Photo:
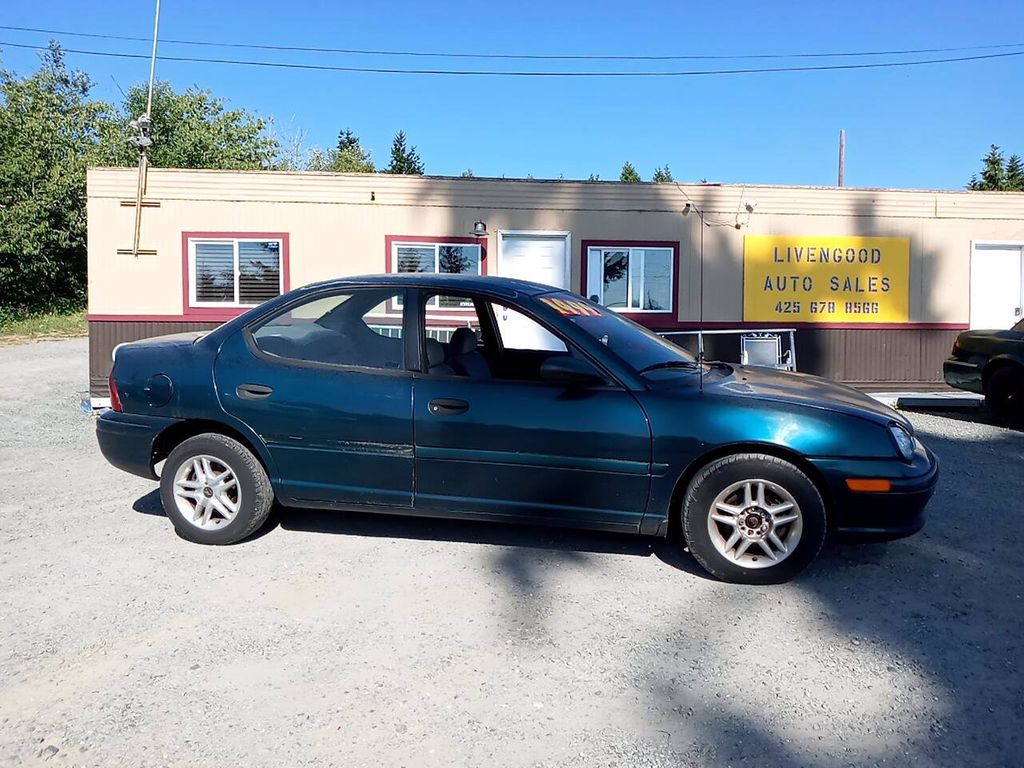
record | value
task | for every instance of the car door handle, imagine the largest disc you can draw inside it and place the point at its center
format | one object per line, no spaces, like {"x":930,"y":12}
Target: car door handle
{"x":253,"y":391}
{"x":446,"y":406}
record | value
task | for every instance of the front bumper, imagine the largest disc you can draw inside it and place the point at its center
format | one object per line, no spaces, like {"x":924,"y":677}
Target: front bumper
{"x":962,"y":375}
{"x":881,"y":516}
{"x":126,"y":440}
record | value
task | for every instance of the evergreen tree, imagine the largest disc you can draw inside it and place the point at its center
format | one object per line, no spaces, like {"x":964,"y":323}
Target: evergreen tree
{"x":663,"y":174}
{"x":404,"y":159}
{"x":347,"y":140}
{"x":629,"y":174}
{"x":993,"y":172}
{"x":1015,"y":174}
{"x":349,"y":156}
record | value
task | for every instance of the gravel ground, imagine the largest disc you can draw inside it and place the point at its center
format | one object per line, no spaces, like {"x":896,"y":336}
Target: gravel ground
{"x":361,"y":641}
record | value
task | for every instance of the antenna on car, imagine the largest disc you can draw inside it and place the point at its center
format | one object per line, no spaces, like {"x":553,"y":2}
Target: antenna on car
{"x":700,"y":309}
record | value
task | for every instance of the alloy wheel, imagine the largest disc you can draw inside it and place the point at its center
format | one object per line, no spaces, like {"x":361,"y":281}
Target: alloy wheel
{"x":755,"y":523}
{"x":206,"y":492}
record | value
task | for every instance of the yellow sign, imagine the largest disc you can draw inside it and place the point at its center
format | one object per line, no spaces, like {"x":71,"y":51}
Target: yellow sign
{"x":809,"y":279}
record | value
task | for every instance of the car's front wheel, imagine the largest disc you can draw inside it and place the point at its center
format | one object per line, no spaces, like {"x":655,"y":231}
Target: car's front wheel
{"x":753,"y":519}
{"x":215,"y":490}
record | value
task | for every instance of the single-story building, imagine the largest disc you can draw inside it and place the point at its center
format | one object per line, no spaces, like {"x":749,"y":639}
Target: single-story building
{"x":876,"y":282}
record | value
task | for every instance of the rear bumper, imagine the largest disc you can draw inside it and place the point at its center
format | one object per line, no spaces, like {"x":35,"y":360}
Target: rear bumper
{"x":882,"y":516}
{"x":126,"y":440}
{"x":962,"y":375}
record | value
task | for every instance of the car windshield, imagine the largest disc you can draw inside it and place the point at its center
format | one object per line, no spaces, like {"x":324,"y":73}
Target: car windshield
{"x":639,"y":347}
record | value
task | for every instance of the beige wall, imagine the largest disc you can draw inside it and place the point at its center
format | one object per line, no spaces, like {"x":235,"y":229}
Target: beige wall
{"x":337,"y":224}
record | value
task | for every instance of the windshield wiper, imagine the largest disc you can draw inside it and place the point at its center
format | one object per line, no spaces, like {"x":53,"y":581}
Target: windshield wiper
{"x":691,"y":364}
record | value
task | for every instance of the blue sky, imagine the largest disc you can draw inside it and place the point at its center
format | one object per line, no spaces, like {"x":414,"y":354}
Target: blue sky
{"x":908,"y":127}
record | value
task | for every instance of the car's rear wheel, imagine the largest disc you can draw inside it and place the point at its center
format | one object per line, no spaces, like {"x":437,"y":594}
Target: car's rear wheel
{"x":1004,"y":396}
{"x":215,"y":490}
{"x":753,"y":519}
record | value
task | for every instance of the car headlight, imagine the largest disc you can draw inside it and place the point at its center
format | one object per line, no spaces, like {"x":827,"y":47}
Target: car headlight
{"x":904,"y":441}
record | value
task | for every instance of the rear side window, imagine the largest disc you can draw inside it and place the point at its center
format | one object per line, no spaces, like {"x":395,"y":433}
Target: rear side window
{"x":361,"y":328}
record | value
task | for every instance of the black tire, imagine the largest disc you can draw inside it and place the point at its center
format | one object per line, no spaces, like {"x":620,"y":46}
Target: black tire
{"x":1004,"y":396}
{"x":255,"y":494}
{"x":719,"y":476}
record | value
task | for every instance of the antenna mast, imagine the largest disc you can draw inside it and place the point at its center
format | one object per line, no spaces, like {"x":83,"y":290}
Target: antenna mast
{"x":143,"y":141}
{"x":842,"y":156}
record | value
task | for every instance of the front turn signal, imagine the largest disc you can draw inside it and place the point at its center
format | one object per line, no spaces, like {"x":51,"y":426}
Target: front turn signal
{"x":868,"y":485}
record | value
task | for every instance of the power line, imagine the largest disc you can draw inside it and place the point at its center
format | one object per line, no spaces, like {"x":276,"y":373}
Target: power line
{"x":527,"y":73}
{"x":518,"y":56}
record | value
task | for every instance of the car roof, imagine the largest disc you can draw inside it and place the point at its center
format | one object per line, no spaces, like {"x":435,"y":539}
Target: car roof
{"x":503,"y":286}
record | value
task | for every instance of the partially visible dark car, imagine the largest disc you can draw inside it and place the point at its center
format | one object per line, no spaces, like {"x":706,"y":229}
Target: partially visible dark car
{"x":495,"y":399}
{"x":991,"y":363}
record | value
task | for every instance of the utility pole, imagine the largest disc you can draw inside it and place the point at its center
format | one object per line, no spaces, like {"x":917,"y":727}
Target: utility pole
{"x":842,"y":155}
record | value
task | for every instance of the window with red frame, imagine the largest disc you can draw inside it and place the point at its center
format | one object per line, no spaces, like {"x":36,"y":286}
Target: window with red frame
{"x":234,"y":272}
{"x":631,"y":279}
{"x":438,"y":257}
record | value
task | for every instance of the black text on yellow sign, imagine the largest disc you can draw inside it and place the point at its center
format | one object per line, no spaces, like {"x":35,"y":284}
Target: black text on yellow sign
{"x":827,"y":279}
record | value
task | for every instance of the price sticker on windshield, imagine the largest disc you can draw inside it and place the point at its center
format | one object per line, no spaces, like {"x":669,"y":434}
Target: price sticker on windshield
{"x":571,"y":307}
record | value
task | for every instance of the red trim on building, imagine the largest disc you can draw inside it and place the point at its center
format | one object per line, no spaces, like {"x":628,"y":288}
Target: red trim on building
{"x":219,"y":314}
{"x":390,"y":240}
{"x":740,"y":325}
{"x":652,"y":319}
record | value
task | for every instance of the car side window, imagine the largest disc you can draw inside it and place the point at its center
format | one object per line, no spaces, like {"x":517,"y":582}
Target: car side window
{"x":362,"y":328}
{"x":452,"y":329}
{"x":518,"y":331}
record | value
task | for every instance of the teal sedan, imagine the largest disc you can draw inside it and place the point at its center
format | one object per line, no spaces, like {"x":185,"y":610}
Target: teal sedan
{"x":494,"y":399}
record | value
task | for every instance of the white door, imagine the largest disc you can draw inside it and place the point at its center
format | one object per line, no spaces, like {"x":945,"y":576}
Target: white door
{"x":997,"y":288}
{"x":540,"y":257}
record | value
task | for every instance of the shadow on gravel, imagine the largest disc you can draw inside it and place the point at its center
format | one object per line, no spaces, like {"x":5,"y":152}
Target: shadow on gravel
{"x":940,"y":616}
{"x":474,"y":532}
{"x":471,"y":532}
{"x":150,"y":504}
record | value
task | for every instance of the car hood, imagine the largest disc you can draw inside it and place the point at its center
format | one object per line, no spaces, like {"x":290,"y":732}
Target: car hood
{"x":983,"y":339}
{"x":805,"y":390}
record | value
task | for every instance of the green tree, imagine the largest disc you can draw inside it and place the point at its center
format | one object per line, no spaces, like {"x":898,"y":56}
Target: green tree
{"x":468,"y":173}
{"x":192,"y":129}
{"x":49,"y":133}
{"x":662,"y":174}
{"x":350,"y":157}
{"x":319,"y":159}
{"x":993,"y":172}
{"x":404,"y":159}
{"x":1015,"y":174}
{"x":629,"y":174}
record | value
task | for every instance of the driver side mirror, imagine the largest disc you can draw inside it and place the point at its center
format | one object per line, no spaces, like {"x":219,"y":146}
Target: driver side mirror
{"x":566,"y":369}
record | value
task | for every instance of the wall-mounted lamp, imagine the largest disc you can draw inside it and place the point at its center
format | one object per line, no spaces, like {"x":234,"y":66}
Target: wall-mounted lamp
{"x":687,"y":208}
{"x":479,"y":229}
